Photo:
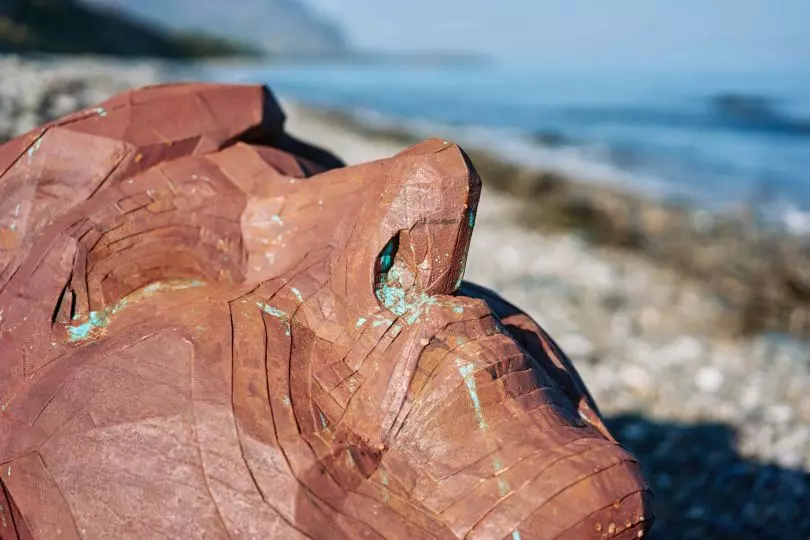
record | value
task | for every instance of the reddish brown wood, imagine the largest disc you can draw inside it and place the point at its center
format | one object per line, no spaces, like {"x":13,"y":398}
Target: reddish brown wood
{"x":211,"y":330}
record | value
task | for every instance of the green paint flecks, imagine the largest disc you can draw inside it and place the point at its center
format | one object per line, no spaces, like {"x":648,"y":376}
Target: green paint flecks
{"x":467,"y":372}
{"x":278,"y":314}
{"x":350,"y":460}
{"x":384,"y":478}
{"x":270,"y":310}
{"x":462,"y":269}
{"x":100,"y":319}
{"x":393,"y":296}
{"x":96,"y":319}
{"x":100,"y":111}
{"x":360,"y":322}
{"x":458,"y":309}
{"x":297,"y":294}
{"x":16,"y":215}
{"x":380,"y":322}
{"x":503,"y":485}
{"x":400,"y":302}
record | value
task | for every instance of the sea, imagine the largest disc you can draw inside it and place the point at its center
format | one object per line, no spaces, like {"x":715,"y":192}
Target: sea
{"x":714,"y":140}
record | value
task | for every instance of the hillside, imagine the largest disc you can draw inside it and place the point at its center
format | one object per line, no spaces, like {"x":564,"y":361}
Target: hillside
{"x":70,"y":27}
{"x":285,"y":27}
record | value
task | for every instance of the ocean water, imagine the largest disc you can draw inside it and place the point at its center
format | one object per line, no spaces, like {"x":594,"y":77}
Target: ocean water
{"x":715,"y":140}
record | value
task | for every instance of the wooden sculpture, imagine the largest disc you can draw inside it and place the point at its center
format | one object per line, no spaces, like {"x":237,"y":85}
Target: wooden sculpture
{"x":209,"y":329}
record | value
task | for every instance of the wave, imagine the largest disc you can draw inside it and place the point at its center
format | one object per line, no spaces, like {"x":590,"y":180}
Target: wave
{"x":592,"y":162}
{"x":724,"y":112}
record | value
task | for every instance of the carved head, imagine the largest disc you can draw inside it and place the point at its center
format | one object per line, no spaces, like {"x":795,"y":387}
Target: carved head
{"x":211,"y":329}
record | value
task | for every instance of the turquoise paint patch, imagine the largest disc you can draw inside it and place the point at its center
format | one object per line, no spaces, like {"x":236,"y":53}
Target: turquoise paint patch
{"x":503,"y":486}
{"x":471,"y":218}
{"x":100,"y":111}
{"x":396,"y":299}
{"x":467,"y":372}
{"x":96,"y":319}
{"x":100,"y":319}
{"x":384,"y":479}
{"x":392,"y":298}
{"x":360,"y":322}
{"x":387,"y":255}
{"x":399,"y":302}
{"x":159,"y":286}
{"x":275,"y":218}
{"x":462,"y":269}
{"x":278,"y":314}
{"x":515,"y":535}
{"x":297,"y":294}
{"x":82,"y":331}
{"x":324,"y":423}
{"x":458,"y":309}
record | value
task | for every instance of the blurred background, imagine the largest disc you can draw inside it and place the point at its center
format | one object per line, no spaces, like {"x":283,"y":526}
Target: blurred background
{"x":646,"y":169}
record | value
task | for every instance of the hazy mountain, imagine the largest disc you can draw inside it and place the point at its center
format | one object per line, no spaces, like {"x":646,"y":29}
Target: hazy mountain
{"x":286,"y":27}
{"x":67,"y":26}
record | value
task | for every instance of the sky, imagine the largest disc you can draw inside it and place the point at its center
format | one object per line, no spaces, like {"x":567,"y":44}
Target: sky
{"x":733,"y":35}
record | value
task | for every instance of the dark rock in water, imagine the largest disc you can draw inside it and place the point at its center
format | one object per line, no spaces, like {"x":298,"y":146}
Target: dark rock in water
{"x":550,"y":138}
{"x":743,"y":106}
{"x":757,"y":113}
{"x":210,"y":329}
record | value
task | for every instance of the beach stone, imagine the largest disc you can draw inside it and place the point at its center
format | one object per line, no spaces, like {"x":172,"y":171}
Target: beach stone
{"x":709,"y":379}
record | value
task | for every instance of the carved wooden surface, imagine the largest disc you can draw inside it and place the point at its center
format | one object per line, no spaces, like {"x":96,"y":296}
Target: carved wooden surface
{"x":209,"y":329}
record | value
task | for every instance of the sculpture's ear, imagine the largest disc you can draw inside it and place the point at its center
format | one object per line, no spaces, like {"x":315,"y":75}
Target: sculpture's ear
{"x":414,"y":229}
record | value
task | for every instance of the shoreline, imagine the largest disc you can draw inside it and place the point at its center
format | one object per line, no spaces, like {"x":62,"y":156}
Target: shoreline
{"x":759,"y":273}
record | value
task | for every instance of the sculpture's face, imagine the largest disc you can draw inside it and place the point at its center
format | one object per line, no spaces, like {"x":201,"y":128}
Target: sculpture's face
{"x":208,"y":342}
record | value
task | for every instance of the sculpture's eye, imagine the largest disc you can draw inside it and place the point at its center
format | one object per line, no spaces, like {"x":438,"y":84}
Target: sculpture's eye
{"x":386,"y":258}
